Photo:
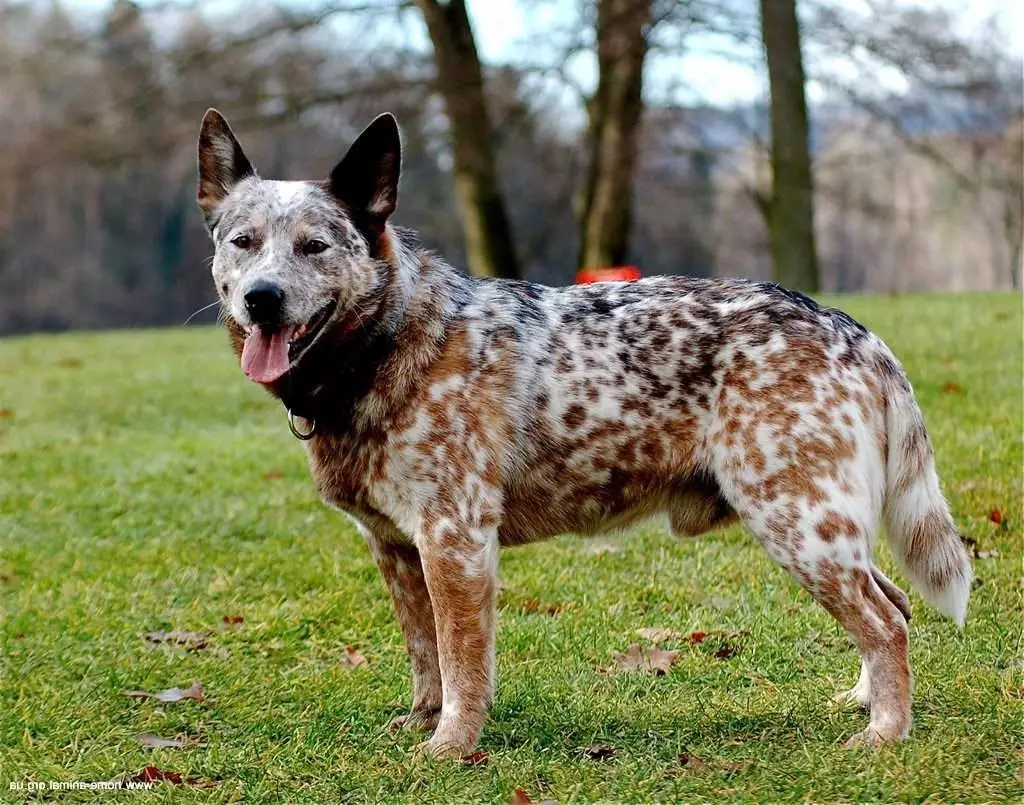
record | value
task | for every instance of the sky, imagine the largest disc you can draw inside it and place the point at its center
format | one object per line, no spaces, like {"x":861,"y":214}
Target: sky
{"x":710,"y":71}
{"x":503,"y":30}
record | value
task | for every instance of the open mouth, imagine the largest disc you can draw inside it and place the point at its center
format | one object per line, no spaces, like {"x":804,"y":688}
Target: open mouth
{"x":307,"y":333}
{"x":269,"y":354}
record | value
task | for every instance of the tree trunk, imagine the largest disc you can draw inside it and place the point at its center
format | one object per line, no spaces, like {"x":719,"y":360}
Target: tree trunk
{"x":490,"y":248}
{"x":790,"y":210}
{"x":615,"y":110}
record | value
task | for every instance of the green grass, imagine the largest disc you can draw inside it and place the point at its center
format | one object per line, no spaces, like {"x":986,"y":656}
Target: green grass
{"x":144,"y":484}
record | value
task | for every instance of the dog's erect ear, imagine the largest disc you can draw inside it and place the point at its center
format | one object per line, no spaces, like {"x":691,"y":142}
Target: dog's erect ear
{"x":366,"y":180}
{"x":222,"y":162}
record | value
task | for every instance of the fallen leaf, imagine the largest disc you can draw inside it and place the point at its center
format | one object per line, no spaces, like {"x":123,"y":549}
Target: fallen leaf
{"x":995,"y":516}
{"x":352,"y":658}
{"x":520,"y":797}
{"x":232,"y":620}
{"x":599,"y":751}
{"x":731,"y":767}
{"x":725,"y":651}
{"x":476,"y":759}
{"x":652,"y":660}
{"x":658,"y":635}
{"x":531,"y":606}
{"x":691,"y":762}
{"x":273,"y":475}
{"x":697,"y":637}
{"x":151,"y":774}
{"x":192,"y":641}
{"x":170,"y":695}
{"x":952,"y":388}
{"x":7,"y":577}
{"x":6,"y":413}
{"x":153,"y":742}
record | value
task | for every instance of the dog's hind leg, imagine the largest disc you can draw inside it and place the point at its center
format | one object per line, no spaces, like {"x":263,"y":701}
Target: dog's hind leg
{"x":892,"y":592}
{"x":812,"y":508}
{"x":861,"y":692}
{"x":827,"y":552}
{"x":402,"y":570}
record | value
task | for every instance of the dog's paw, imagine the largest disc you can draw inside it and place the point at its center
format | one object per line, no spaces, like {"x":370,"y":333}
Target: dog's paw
{"x":854,"y":696}
{"x":425,"y":720}
{"x":441,"y":750}
{"x":871,"y":738}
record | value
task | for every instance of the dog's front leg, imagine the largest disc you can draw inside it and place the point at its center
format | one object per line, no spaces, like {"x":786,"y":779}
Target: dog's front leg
{"x":461,"y":574}
{"x":400,"y":566}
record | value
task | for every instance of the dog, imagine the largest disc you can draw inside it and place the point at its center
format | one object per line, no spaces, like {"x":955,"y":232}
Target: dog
{"x":450,"y":415}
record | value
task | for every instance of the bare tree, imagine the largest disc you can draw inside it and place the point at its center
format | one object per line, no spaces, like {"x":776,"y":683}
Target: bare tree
{"x":614,"y":117}
{"x":490,"y":248}
{"x":789,"y":209}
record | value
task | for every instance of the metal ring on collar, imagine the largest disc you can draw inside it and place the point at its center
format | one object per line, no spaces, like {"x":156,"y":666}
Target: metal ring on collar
{"x":298,"y":434}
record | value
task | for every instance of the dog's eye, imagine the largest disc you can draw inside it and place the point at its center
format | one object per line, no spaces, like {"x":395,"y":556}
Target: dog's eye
{"x":242,"y":241}
{"x":314,"y":247}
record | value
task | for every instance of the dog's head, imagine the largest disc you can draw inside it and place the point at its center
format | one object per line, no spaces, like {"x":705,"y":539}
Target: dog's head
{"x":293,"y":259}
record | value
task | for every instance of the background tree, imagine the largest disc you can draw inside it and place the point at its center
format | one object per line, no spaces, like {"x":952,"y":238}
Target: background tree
{"x":490,"y":248}
{"x":614,"y":114}
{"x":789,"y":209}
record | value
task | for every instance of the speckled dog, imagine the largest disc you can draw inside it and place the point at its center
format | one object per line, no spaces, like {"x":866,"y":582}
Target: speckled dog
{"x":449,"y":416}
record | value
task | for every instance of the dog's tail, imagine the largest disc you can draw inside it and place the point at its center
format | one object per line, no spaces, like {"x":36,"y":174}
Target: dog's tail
{"x":923,"y":538}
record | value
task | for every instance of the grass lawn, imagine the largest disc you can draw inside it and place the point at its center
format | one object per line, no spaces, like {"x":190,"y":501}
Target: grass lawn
{"x":146,"y":485}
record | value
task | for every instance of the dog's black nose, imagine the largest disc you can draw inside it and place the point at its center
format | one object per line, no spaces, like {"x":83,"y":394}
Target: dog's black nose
{"x":263,"y":302}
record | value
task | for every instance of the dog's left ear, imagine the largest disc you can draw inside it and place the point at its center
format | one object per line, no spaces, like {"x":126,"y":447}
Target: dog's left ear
{"x":366,"y":179}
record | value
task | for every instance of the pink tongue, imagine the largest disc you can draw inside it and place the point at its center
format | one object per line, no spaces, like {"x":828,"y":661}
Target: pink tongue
{"x":265,"y":355}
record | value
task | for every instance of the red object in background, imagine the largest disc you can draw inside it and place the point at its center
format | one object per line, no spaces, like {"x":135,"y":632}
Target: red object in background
{"x":613,"y":274}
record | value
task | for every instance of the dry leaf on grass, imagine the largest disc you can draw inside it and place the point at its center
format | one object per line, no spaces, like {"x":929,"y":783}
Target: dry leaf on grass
{"x":996,"y":516}
{"x":352,"y":658}
{"x":688,"y":763}
{"x":952,"y":388}
{"x":691,"y":762}
{"x":170,"y":695}
{"x":475,"y":759}
{"x":652,"y":660}
{"x":520,"y":797}
{"x":725,"y":651}
{"x":6,"y":413}
{"x":599,"y":751}
{"x":658,"y":635}
{"x":273,"y":475}
{"x":727,"y":647}
{"x":153,"y":742}
{"x":192,"y":641}
{"x":151,"y":774}
{"x":532,"y":606}
{"x":233,"y":620}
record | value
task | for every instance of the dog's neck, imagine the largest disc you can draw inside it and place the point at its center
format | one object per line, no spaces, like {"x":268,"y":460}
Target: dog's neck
{"x":361,"y":371}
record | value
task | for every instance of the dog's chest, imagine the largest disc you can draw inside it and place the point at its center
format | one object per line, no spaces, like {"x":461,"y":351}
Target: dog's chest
{"x":343,"y":469}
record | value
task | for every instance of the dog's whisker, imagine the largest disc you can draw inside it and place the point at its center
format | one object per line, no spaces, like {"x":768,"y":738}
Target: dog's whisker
{"x":201,"y":310}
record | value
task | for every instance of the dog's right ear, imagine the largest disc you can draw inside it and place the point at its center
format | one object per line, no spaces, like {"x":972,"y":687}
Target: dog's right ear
{"x":222,"y":163}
